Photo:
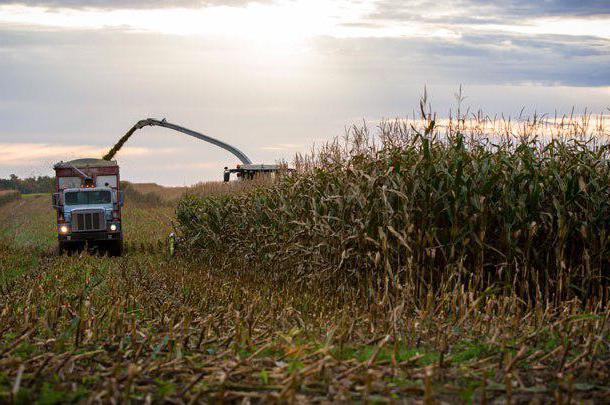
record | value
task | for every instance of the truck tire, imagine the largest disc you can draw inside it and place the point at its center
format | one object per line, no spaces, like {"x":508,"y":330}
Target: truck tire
{"x":68,"y":247}
{"x":116,"y":248}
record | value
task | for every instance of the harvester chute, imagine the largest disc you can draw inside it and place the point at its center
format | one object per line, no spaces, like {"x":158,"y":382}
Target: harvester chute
{"x":163,"y":123}
{"x":246,"y":170}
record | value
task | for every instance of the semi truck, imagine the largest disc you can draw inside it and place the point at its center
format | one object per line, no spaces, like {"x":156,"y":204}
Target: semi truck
{"x":88,"y":201}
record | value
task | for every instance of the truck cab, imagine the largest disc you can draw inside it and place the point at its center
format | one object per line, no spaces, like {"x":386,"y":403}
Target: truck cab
{"x":88,"y":202}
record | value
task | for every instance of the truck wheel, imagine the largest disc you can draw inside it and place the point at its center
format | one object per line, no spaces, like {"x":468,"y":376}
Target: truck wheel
{"x":116,"y":248}
{"x":67,"y":248}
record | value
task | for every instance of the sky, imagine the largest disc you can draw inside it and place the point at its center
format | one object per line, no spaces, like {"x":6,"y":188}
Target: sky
{"x":275,"y":77}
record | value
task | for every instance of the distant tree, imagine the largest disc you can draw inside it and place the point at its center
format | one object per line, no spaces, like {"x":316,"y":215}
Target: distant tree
{"x":30,"y":185}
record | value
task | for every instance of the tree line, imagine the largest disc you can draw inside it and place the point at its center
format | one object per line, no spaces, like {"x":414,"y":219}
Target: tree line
{"x":30,"y":185}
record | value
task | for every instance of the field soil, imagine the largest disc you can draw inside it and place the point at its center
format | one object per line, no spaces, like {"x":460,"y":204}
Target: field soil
{"x":147,"y":328}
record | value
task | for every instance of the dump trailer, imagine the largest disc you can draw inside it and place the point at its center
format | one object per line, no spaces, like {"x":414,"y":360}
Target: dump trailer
{"x":88,"y":201}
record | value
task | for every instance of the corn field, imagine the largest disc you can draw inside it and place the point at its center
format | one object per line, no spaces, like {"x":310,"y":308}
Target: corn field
{"x":418,"y":208}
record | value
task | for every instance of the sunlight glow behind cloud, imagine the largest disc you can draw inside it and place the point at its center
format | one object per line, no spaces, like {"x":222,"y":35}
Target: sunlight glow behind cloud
{"x":287,"y":22}
{"x":281,"y":22}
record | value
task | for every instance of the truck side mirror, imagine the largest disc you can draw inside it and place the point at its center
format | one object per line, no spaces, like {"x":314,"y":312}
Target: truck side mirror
{"x":56,"y":200}
{"x":121,"y":198}
{"x":227,"y":176}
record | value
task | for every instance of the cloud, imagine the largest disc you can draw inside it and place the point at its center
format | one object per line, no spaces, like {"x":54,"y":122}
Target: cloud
{"x":532,"y":17}
{"x":479,"y":57}
{"x":216,"y":165}
{"x":394,"y":9}
{"x":288,"y":147}
{"x":130,"y":4}
{"x":484,"y":11}
{"x":20,"y":154}
{"x":530,"y":8}
{"x":286,"y":20}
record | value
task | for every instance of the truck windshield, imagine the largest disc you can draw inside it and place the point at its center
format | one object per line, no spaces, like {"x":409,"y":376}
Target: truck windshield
{"x":88,"y":197}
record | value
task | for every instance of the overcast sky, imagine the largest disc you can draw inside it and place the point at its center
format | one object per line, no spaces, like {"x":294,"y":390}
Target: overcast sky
{"x":274,"y":77}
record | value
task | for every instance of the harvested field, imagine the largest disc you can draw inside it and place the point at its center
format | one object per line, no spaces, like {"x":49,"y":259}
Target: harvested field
{"x":89,"y":328}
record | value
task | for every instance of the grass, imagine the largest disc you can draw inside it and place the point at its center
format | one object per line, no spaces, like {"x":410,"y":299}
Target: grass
{"x":28,"y":223}
{"x":32,"y":195}
{"x":7,"y":196}
{"x":233,"y":323}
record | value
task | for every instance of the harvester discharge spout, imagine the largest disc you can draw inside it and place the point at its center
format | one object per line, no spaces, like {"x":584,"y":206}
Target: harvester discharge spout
{"x":163,"y":123}
{"x":244,"y":171}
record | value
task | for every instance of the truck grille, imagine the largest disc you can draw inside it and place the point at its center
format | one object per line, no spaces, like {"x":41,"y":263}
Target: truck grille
{"x":88,"y":221}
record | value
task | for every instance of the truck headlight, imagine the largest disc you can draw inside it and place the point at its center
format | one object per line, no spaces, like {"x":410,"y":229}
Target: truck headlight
{"x":63,"y":229}
{"x":113,"y":227}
